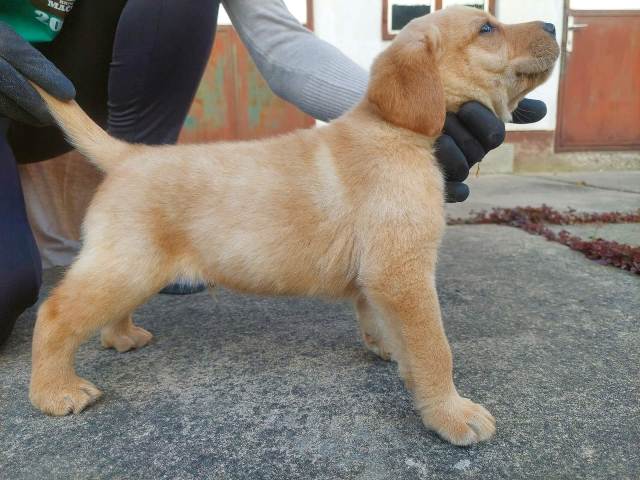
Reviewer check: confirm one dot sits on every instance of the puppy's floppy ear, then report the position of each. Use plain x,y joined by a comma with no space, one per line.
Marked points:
405,82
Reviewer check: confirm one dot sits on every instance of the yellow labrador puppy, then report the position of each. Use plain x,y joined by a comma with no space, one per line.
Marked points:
352,209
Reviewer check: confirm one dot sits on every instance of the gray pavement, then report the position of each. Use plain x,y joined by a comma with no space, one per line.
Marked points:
621,181
250,387
593,192
582,191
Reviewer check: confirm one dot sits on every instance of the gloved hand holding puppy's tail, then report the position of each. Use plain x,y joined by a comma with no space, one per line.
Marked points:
82,132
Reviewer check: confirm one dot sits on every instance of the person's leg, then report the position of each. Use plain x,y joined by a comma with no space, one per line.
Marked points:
57,192
20,267
160,52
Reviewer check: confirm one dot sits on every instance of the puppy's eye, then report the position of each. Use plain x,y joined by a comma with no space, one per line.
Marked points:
487,28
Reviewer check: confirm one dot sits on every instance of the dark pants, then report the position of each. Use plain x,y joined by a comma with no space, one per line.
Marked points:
136,66
20,266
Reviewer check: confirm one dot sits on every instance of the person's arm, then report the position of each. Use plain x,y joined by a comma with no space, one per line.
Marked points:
298,66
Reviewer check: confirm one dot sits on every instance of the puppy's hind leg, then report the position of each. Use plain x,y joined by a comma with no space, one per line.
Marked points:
123,335
372,329
96,290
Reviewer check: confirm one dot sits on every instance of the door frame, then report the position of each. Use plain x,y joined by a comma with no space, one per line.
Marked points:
561,83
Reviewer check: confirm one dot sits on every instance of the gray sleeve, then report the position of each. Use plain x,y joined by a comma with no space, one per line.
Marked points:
299,67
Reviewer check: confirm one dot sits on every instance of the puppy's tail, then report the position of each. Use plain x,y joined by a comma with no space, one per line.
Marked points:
83,133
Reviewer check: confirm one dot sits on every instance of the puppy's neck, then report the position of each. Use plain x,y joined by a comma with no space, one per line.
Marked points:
368,116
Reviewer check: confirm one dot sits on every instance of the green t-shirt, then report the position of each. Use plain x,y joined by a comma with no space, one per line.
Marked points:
35,20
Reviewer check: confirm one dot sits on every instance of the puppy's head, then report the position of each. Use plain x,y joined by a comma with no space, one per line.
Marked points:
442,60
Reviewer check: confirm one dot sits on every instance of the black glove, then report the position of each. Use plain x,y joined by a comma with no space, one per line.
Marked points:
467,137
19,61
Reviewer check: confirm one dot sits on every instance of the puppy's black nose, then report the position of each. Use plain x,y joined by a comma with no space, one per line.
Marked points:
550,28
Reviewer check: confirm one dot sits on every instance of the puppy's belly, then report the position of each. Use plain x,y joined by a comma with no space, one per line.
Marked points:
283,265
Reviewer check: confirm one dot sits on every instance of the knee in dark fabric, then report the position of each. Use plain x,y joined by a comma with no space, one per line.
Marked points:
18,291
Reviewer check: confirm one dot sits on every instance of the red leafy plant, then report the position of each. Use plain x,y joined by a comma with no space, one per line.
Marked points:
534,220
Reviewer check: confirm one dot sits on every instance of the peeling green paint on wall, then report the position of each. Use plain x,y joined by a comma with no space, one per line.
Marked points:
233,101
260,98
210,98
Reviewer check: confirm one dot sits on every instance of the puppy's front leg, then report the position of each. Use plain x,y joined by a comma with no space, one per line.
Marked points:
407,297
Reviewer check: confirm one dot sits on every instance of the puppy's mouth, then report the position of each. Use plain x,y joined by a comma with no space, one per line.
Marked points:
540,61
536,66
533,79
530,73
535,70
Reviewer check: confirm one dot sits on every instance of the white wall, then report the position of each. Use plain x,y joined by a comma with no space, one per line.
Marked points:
608,5
298,8
354,27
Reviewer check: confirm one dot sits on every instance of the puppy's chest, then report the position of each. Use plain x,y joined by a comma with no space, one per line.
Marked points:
402,194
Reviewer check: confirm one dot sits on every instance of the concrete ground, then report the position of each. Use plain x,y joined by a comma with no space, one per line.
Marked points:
583,191
249,387
590,191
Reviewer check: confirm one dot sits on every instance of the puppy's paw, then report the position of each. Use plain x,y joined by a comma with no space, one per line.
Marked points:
459,420
63,398
375,346
124,340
